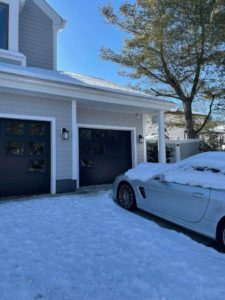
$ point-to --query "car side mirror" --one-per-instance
(160, 178)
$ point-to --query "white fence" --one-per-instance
(183, 148)
(179, 149)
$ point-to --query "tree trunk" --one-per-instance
(191, 134)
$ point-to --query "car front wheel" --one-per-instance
(126, 196)
(221, 237)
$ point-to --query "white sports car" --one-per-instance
(190, 193)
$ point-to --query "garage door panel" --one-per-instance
(104, 154)
(24, 157)
(23, 186)
(12, 168)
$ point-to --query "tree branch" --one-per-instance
(171, 79)
(199, 63)
(164, 95)
(208, 116)
(151, 73)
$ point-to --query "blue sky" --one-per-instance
(85, 33)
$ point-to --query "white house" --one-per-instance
(59, 130)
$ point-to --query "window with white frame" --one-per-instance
(9, 25)
(9, 31)
(4, 26)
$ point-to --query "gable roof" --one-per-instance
(58, 21)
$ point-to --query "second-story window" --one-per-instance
(4, 25)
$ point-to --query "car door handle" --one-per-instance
(198, 195)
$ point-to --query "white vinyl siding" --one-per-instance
(36, 36)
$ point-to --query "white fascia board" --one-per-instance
(76, 92)
(58, 21)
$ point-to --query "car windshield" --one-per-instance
(202, 175)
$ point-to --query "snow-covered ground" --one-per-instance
(87, 247)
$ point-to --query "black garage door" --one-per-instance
(24, 157)
(104, 154)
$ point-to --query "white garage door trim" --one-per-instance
(133, 143)
(53, 140)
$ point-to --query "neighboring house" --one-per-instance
(214, 138)
(174, 125)
(58, 130)
(218, 14)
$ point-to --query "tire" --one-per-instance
(126, 196)
(221, 237)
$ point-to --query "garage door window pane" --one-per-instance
(86, 163)
(14, 148)
(85, 149)
(14, 128)
(99, 134)
(111, 136)
(114, 150)
(36, 129)
(36, 148)
(85, 134)
(36, 166)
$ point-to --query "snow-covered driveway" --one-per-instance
(87, 247)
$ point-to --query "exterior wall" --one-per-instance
(106, 118)
(36, 36)
(42, 107)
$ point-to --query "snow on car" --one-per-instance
(190, 193)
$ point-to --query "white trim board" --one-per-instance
(144, 120)
(53, 140)
(51, 13)
(75, 141)
(94, 126)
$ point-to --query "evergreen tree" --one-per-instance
(177, 45)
